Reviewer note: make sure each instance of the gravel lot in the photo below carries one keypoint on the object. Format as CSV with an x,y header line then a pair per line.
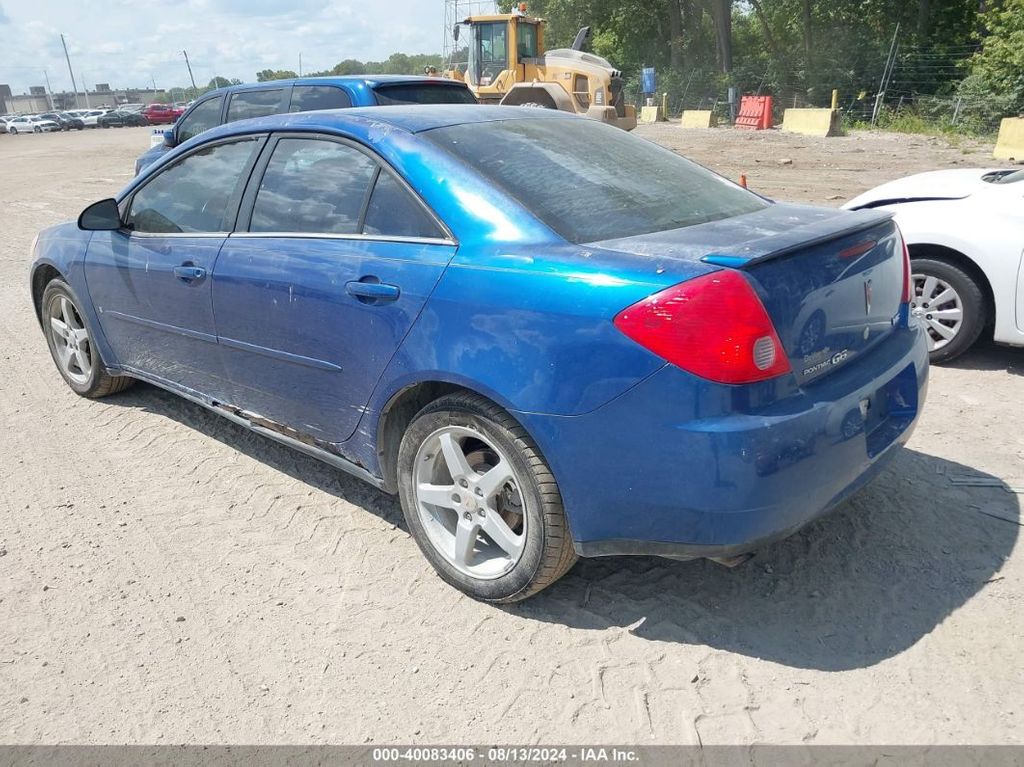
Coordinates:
x,y
167,577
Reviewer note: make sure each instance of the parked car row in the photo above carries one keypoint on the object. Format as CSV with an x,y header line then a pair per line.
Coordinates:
x,y
79,119
15,124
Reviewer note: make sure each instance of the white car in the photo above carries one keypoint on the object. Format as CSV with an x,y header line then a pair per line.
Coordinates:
x,y
91,116
965,233
31,124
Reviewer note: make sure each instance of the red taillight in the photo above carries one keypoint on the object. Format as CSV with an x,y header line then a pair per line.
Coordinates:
x,y
714,326
908,291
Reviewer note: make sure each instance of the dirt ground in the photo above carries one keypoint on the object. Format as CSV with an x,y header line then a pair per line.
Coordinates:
x,y
167,577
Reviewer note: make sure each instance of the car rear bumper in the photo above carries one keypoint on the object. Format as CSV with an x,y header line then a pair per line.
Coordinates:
x,y
681,467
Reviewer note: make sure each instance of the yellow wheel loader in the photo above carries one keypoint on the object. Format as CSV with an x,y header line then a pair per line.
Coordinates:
x,y
509,65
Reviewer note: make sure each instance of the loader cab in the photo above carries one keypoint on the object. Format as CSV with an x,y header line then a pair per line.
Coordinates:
x,y
499,48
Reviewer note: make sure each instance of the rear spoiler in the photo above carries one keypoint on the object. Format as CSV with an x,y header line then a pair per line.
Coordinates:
x,y
799,238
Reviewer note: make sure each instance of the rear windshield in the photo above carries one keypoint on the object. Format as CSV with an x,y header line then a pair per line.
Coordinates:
x,y
589,181
423,93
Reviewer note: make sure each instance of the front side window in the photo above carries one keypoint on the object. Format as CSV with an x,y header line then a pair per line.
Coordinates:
x,y
313,186
312,98
197,194
526,40
202,117
591,182
248,104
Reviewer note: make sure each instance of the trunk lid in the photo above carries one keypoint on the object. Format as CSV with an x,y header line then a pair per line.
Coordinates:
x,y
831,281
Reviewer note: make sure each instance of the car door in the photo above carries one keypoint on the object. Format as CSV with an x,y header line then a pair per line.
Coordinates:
x,y
150,281
332,262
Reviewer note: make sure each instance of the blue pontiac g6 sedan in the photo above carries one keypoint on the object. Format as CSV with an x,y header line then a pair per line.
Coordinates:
x,y
550,337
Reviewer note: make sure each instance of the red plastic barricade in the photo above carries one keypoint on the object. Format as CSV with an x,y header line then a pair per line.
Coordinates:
x,y
755,113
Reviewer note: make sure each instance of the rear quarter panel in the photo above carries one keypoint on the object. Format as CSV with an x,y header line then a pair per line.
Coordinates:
x,y
531,328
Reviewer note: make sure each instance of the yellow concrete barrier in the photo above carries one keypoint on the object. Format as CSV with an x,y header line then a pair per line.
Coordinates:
x,y
811,122
698,118
1010,144
650,114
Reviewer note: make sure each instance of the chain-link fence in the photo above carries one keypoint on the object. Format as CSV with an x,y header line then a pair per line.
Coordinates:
x,y
922,90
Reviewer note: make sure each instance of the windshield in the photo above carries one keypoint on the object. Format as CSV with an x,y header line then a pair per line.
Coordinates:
x,y
589,181
423,93
1009,177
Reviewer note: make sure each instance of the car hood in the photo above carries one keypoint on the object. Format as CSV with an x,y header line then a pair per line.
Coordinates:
x,y
935,185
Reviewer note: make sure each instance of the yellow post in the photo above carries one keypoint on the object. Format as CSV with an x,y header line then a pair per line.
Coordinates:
x,y
835,98
664,106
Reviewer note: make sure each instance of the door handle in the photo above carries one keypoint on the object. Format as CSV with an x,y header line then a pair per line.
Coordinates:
x,y
372,292
188,272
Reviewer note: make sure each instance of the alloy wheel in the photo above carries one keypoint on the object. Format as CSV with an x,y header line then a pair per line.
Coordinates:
x,y
72,347
469,502
938,307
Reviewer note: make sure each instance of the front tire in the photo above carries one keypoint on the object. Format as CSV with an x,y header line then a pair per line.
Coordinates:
x,y
949,304
70,341
481,502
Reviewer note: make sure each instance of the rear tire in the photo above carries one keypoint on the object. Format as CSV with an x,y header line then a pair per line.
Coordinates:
x,y
961,310
69,338
502,508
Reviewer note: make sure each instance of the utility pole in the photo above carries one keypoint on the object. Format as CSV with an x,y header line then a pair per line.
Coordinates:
x,y
86,89
300,65
49,91
195,90
74,87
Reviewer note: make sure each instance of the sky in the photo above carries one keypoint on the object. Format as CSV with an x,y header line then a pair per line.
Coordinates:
x,y
134,43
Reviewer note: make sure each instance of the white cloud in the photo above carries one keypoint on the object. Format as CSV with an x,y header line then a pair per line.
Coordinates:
x,y
131,43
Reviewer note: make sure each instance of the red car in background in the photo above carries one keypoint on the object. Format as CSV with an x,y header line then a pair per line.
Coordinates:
x,y
158,114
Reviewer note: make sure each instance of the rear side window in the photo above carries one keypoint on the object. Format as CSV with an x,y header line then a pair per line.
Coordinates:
x,y
259,103
394,211
202,117
423,93
313,186
591,182
198,194
311,98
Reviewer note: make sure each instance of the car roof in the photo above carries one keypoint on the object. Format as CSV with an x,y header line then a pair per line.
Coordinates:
x,y
414,118
370,81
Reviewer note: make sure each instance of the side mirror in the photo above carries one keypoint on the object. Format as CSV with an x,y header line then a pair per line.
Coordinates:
x,y
169,141
102,216
455,31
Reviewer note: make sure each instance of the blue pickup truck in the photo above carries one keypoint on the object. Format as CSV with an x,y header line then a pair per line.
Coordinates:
x,y
304,94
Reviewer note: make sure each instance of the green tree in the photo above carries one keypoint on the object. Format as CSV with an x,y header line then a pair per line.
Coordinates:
x,y
349,67
266,75
999,66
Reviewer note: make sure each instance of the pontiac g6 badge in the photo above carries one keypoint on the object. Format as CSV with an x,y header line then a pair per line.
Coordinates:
x,y
836,359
